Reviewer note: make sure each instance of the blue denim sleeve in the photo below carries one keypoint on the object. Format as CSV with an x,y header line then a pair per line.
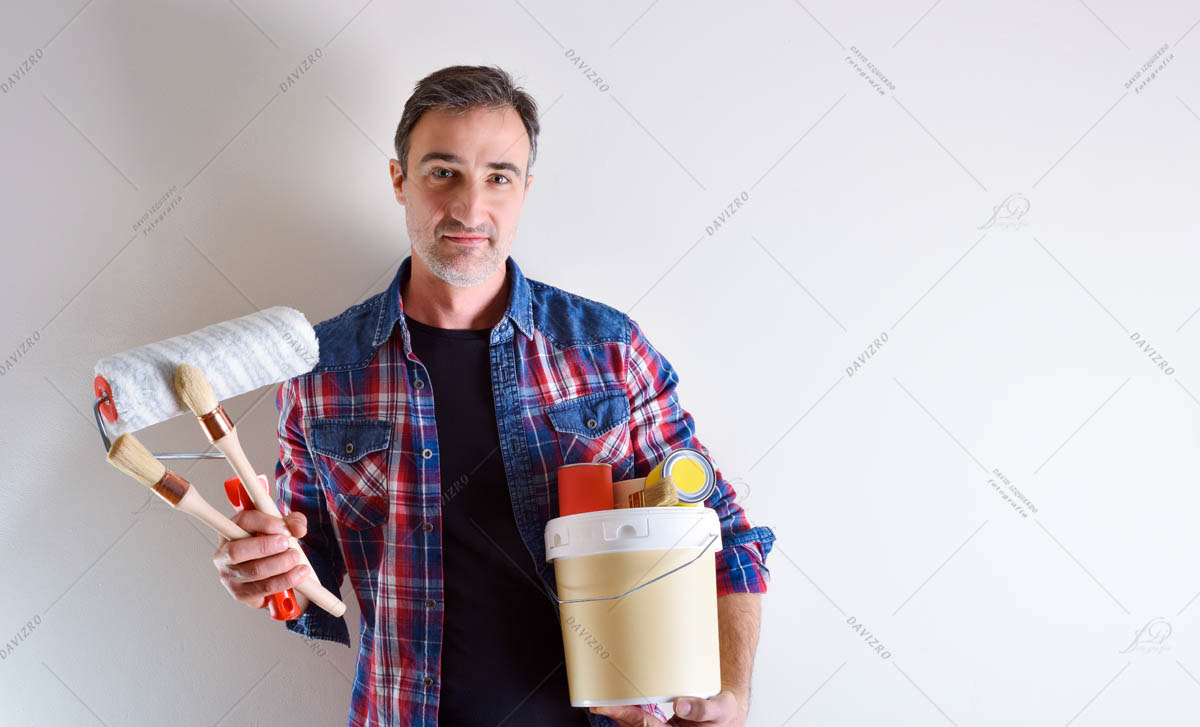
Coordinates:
x,y
660,424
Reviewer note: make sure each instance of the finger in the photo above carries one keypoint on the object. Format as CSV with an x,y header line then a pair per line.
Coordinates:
x,y
240,551
251,601
260,568
630,716
249,591
256,521
297,523
714,709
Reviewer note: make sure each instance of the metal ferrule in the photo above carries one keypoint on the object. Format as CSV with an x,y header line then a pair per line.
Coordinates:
x,y
171,487
216,423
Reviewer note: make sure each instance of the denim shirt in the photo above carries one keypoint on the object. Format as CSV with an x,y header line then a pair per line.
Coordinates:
x,y
574,380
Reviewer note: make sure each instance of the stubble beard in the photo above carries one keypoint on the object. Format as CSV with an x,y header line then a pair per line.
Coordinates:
x,y
462,267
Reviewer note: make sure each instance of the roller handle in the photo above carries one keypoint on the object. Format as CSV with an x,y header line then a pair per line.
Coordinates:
x,y
282,606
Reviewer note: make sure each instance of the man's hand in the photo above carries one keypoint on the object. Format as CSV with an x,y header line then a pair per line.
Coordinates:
x,y
724,710
253,568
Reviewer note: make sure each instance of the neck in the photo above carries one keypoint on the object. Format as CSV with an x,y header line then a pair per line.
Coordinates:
x,y
434,302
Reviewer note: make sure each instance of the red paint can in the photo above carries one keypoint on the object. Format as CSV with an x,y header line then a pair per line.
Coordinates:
x,y
584,487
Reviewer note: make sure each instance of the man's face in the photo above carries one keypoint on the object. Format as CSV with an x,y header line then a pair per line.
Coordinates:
x,y
466,184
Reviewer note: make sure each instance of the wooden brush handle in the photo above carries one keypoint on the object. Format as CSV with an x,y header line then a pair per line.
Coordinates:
x,y
284,605
623,489
231,447
194,504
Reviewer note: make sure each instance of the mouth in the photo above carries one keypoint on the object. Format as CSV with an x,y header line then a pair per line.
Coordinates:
x,y
466,239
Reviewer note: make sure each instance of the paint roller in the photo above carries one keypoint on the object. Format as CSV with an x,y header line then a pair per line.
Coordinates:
x,y
150,384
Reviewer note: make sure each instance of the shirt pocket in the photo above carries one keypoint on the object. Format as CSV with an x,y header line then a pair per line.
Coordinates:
x,y
592,428
352,459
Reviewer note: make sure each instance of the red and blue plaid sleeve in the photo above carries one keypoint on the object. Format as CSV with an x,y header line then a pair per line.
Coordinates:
x,y
660,424
300,491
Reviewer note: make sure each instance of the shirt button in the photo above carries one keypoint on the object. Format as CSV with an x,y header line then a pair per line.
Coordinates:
x,y
429,681
430,603
419,383
591,423
427,527
427,453
349,447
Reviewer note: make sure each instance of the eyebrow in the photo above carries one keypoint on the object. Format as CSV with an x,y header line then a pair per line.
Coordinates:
x,y
454,159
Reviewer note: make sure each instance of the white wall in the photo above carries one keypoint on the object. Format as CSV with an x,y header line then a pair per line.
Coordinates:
x,y
1010,347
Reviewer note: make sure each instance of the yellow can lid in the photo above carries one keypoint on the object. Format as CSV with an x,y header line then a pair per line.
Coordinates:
x,y
692,474
689,475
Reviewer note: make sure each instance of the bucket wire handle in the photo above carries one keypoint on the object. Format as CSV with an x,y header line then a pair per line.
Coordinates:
x,y
103,408
631,590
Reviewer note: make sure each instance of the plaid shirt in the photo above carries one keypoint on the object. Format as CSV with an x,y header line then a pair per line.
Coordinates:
x,y
574,381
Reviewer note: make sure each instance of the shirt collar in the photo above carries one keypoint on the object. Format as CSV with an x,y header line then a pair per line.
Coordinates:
x,y
391,306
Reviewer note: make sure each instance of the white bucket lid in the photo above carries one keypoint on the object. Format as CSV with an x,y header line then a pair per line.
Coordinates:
x,y
629,529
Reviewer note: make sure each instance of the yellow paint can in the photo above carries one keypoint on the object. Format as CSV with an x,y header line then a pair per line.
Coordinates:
x,y
692,473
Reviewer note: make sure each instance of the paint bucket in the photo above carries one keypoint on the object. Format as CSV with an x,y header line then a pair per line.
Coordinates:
x,y
637,594
584,487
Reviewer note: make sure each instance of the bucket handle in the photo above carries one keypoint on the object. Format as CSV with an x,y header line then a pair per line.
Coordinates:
x,y
703,550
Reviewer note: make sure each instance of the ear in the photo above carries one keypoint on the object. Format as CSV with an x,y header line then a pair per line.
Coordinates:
x,y
397,179
528,183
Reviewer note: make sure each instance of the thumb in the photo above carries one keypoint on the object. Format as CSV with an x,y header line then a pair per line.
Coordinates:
x,y
715,709
297,523
691,708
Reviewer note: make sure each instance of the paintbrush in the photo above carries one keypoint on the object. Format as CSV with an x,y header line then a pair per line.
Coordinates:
x,y
131,457
660,494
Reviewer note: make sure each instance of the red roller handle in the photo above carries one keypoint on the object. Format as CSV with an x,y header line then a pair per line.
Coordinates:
x,y
281,606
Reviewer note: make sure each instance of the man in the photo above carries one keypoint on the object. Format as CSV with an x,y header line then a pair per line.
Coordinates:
x,y
419,456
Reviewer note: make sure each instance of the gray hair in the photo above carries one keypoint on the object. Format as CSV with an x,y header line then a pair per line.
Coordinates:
x,y
457,89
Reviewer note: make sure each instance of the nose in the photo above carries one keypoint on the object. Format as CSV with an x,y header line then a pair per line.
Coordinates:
x,y
467,206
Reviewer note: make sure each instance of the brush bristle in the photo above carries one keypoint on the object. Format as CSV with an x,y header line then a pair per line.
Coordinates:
x,y
194,390
660,494
131,457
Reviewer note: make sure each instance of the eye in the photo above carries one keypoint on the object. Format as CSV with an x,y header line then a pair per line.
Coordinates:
x,y
500,176
441,169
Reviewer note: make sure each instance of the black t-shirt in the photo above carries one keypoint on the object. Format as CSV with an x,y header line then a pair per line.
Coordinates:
x,y
502,651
